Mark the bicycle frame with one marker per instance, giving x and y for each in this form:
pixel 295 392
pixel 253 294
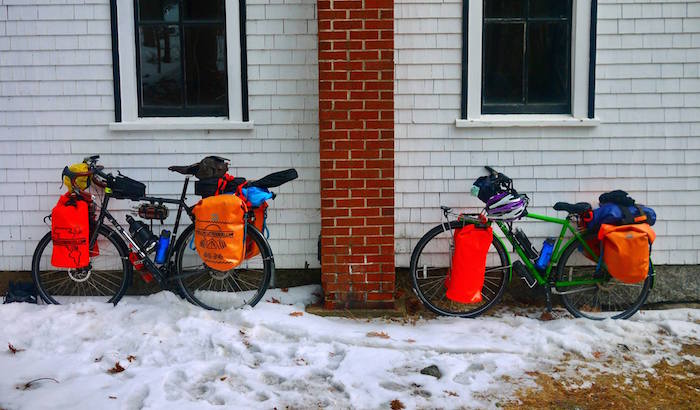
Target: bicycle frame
pixel 545 277
pixel 161 275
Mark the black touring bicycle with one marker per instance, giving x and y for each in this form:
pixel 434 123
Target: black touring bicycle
pixel 115 251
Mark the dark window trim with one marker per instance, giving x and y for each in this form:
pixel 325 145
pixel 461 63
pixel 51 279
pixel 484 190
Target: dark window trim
pixel 591 59
pixel 116 72
pixel 244 60
pixel 527 107
pixel 465 50
pixel 116 76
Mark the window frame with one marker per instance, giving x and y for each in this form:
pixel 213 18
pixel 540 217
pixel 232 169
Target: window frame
pixel 126 88
pixel 582 54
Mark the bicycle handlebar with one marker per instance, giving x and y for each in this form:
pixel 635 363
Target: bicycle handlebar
pixel 93 170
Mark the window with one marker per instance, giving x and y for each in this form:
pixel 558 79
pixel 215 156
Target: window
pixel 526 57
pixel 179 64
pixel 181 58
pixel 526 62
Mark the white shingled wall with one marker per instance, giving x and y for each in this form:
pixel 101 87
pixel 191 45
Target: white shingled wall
pixel 56 99
pixel 648 143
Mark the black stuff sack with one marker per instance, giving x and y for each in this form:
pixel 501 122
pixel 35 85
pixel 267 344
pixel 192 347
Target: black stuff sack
pixel 21 292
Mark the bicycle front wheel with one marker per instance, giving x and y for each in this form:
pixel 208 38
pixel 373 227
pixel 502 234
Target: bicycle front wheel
pixel 607 299
pixel 430 264
pixel 105 279
pixel 216 290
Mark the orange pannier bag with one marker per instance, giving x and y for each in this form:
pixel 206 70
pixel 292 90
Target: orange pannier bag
pixel 626 250
pixel 70 233
pixel 219 231
pixel 466 277
pixel 260 215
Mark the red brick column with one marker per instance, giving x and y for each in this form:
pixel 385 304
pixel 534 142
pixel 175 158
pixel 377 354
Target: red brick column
pixel 356 113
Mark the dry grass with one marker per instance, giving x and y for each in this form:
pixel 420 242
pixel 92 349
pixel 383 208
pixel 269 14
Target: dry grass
pixel 668 387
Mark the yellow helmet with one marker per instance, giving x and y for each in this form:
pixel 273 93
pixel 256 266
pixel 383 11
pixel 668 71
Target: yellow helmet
pixel 80 182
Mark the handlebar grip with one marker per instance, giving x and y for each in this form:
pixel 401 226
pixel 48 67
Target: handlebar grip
pixel 491 170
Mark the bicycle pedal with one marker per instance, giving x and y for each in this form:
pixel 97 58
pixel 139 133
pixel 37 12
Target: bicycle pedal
pixel 524 274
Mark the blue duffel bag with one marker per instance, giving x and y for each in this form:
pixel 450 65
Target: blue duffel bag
pixel 613 214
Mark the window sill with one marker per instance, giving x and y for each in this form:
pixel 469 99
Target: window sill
pixel 526 120
pixel 190 123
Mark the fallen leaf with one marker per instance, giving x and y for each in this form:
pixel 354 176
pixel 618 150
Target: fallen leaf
pixel 285 290
pixel 597 354
pixel 13 349
pixel 131 358
pixel 273 300
pixel 222 378
pixel 410 341
pixel 113 397
pixel 378 334
pixel 116 369
pixel 296 314
pixel 545 316
pixel 397 405
pixel 451 393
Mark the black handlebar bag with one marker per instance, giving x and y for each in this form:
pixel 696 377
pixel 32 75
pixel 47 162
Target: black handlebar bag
pixel 124 187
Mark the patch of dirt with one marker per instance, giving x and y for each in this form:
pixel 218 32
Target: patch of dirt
pixel 668 387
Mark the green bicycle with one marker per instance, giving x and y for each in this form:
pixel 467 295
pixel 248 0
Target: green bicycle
pixel 586 289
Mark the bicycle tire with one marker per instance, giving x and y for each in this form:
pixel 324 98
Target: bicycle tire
pixel 219 281
pixel 581 306
pixel 435 283
pixel 79 284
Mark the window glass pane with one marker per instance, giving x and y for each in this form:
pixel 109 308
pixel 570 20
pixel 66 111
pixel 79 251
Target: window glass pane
pixel 550 8
pixel 203 10
pixel 160 67
pixel 161 10
pixel 503 63
pixel 548 62
pixel 205 62
pixel 504 8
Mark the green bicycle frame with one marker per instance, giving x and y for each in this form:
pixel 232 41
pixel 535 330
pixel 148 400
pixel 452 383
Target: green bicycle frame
pixel 544 278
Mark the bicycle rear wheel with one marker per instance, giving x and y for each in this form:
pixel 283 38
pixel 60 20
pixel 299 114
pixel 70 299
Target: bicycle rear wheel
pixel 216 290
pixel 609 299
pixel 430 265
pixel 105 279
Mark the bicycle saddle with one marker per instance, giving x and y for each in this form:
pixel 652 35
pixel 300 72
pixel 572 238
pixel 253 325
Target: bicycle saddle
pixel 576 208
pixel 185 169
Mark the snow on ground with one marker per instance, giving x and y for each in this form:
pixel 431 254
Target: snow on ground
pixel 176 355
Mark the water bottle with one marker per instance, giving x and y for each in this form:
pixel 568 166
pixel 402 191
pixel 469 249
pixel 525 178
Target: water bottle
pixel 163 243
pixel 545 254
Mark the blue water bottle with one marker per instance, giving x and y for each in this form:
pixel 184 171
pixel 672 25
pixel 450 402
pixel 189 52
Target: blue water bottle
pixel 545 254
pixel 163 243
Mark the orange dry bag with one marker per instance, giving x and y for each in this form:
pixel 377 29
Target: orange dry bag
pixel 626 250
pixel 219 231
pixel 70 233
pixel 466 277
pixel 251 249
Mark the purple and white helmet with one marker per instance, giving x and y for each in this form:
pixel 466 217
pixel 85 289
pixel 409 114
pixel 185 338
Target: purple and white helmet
pixel 506 206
